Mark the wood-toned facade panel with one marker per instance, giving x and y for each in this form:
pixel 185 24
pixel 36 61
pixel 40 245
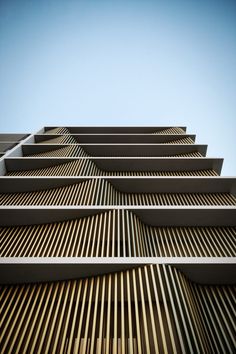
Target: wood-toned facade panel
pixel 122 308
pixel 61 139
pixel 101 192
pixel 127 138
pixel 151 309
pixel 186 140
pixel 174 130
pixel 114 130
pixel 67 151
pixel 86 167
pixel 76 139
pixel 116 233
pixel 57 130
pixel 79 151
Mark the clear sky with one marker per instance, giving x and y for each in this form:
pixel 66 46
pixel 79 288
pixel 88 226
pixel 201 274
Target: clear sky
pixel 121 63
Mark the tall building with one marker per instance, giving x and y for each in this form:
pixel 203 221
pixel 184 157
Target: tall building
pixel 116 240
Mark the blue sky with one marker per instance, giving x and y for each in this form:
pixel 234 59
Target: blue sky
pixel 121 62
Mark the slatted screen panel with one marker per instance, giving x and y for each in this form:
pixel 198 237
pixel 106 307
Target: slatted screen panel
pixel 67 151
pixel 153 309
pixel 59 130
pixel 186 140
pixel 101 192
pixel 70 139
pixel 174 130
pixel 86 167
pixel 63 139
pixel 117 233
pixel 78 151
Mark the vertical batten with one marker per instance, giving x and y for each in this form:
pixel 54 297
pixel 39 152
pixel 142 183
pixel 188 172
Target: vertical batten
pixel 150 309
pixel 113 232
pixel 162 310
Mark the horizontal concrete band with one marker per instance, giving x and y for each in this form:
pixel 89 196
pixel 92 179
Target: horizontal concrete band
pixel 6 145
pixel 111 129
pixel 127 184
pixel 127 150
pixel 153 216
pixel 117 138
pixel 109 164
pixel 27 270
pixel 12 137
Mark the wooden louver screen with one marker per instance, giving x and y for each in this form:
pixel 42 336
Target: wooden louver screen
pixel 63 139
pixel 153 309
pixel 101 192
pixel 67 151
pixel 171 130
pixel 70 139
pixel 78 151
pixel 186 140
pixel 86 167
pixel 116 233
pixel 150 309
pixel 174 130
pixel 59 130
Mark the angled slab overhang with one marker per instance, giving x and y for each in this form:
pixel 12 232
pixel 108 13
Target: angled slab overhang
pixel 153 216
pixel 27 270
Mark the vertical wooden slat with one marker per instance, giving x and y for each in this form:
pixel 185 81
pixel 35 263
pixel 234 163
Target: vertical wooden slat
pixel 100 336
pixel 94 321
pixel 115 340
pixel 154 332
pixel 88 310
pixel 137 316
pixel 160 320
pixel 78 336
pixel 122 291
pixel 108 324
pixel 62 316
pixel 75 314
pixel 130 338
pixel 147 344
pixel 67 317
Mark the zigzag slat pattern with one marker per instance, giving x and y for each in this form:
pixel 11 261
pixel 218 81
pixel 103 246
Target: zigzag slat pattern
pixel 186 140
pixel 67 139
pixel 59 130
pixel 89 168
pixel 171 130
pixel 63 139
pixel 174 130
pixel 146 310
pixel 115 233
pixel 67 151
pixel 101 192
pixel 78 151
pixel 151 309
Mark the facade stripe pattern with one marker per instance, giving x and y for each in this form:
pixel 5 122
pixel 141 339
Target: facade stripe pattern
pixel 102 192
pixel 85 167
pixel 78 151
pixel 116 233
pixel 147 309
pixel 151 309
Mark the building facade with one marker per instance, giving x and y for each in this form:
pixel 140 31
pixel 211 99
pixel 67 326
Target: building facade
pixel 116 240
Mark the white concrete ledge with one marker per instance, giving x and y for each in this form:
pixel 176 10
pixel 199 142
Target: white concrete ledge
pixel 128 184
pixel 113 129
pixel 121 149
pixel 118 138
pixel 110 164
pixel 150 215
pixel 27 270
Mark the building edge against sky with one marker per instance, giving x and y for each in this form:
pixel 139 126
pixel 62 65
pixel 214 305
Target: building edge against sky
pixel 126 236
